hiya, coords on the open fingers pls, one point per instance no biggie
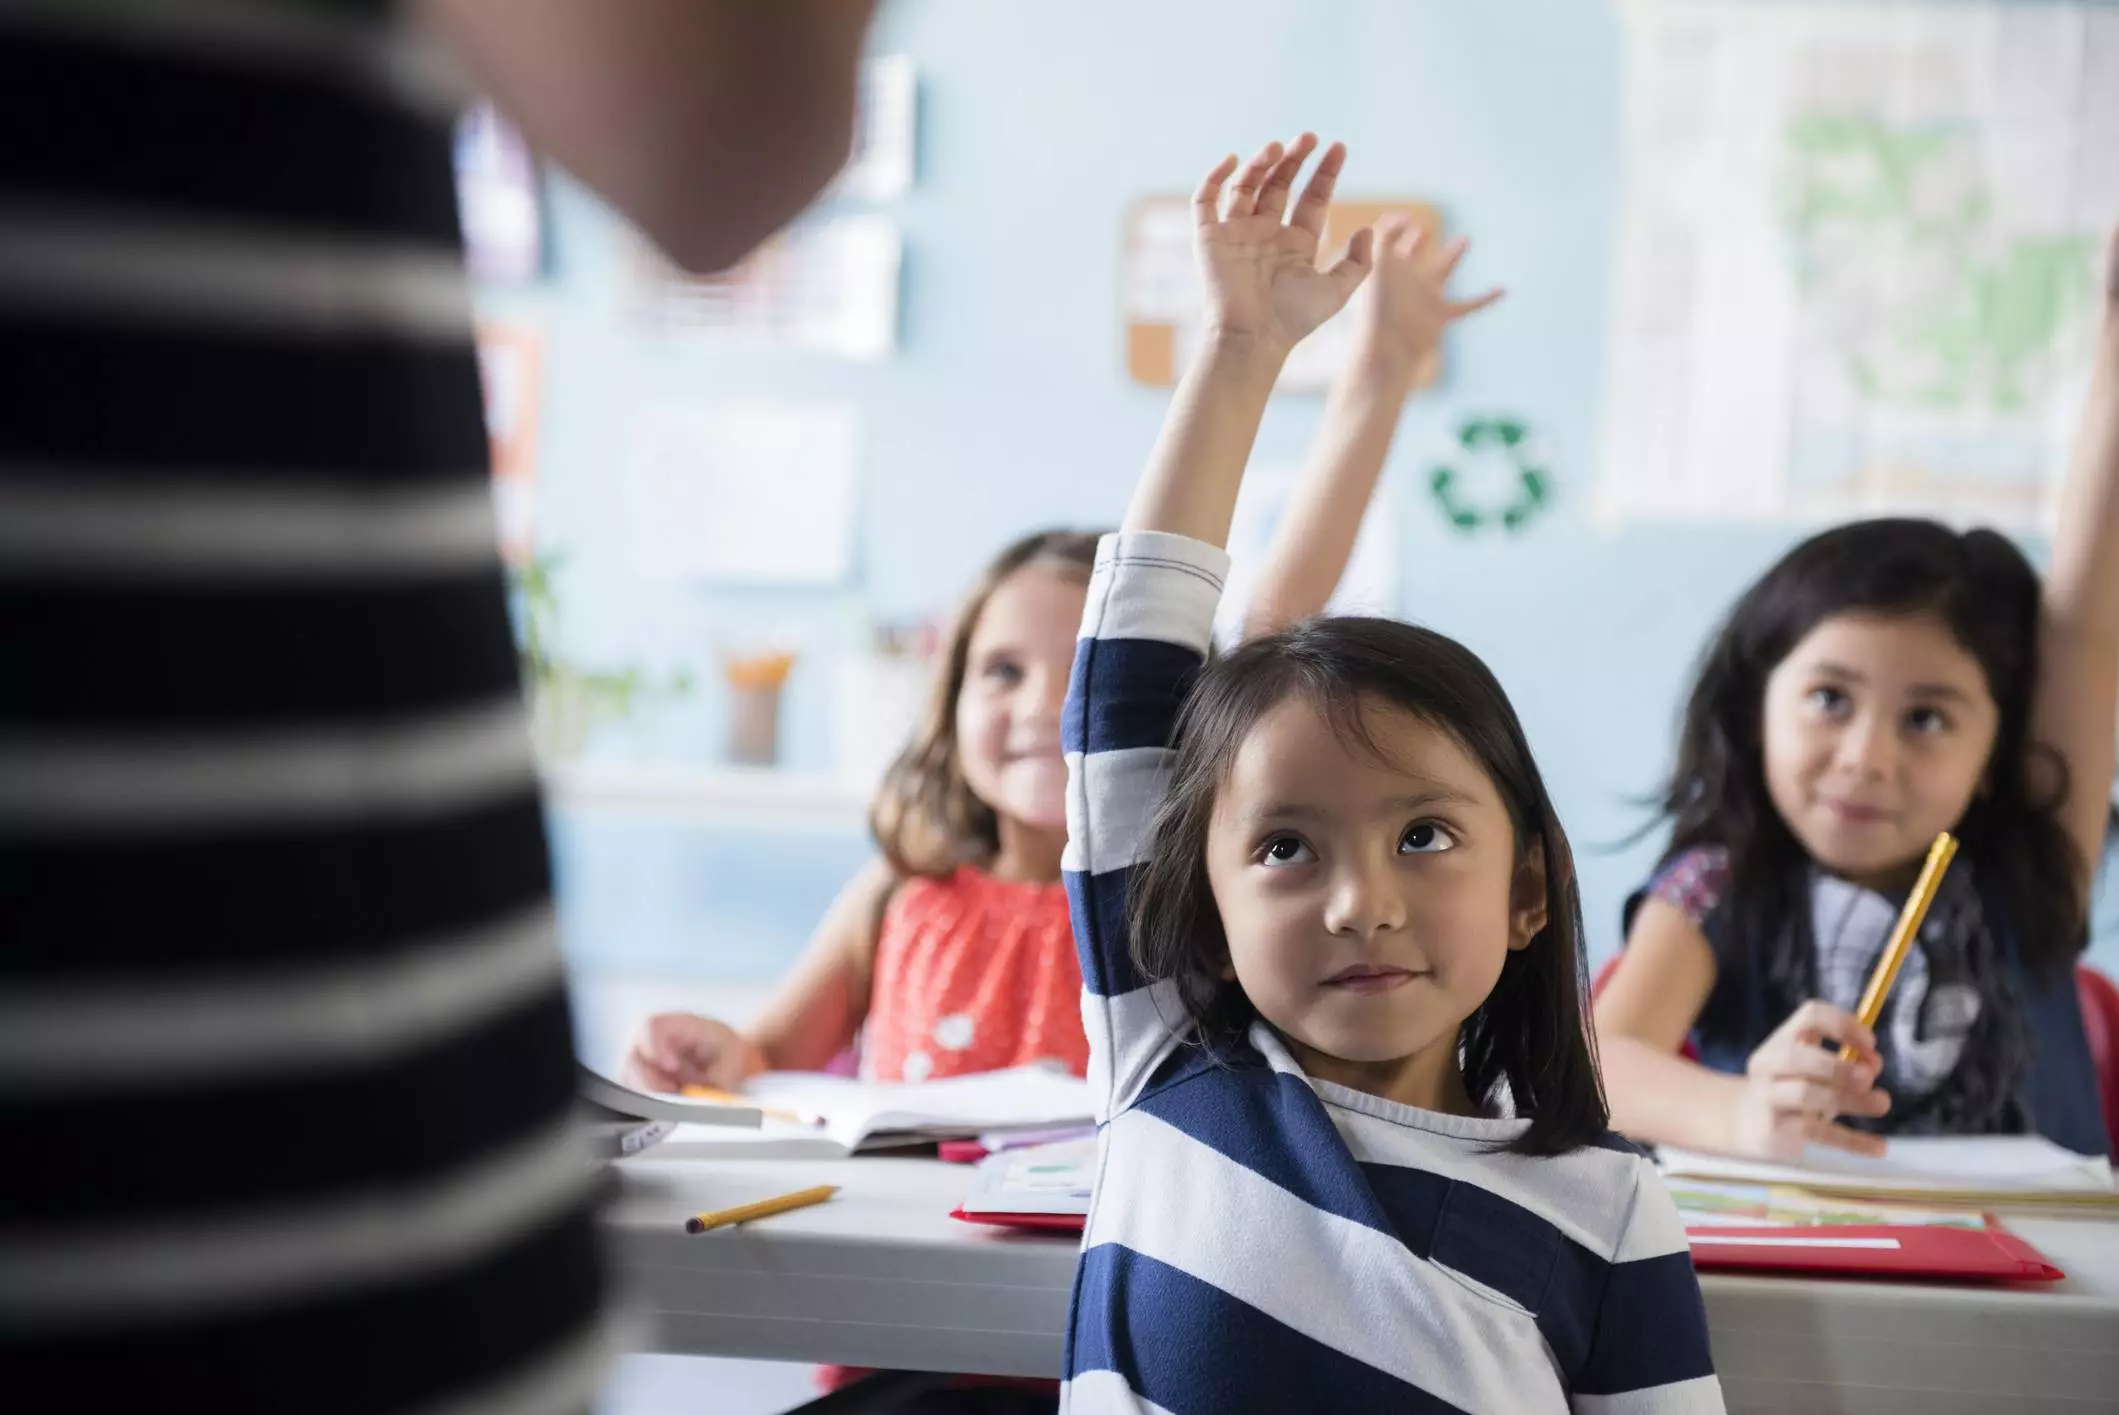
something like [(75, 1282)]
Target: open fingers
[(1206, 201), (1243, 193), (1317, 192), (1460, 308), (1352, 268), (1273, 195)]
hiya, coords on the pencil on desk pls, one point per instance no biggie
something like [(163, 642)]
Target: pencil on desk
[(1903, 933), (764, 1208)]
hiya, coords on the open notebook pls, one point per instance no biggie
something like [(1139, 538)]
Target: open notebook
[(1969, 1169), (849, 1116), (619, 1120)]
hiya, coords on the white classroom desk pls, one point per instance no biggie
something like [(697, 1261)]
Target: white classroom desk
[(882, 1276)]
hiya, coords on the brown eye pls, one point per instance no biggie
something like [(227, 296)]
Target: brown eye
[(1284, 850), (1425, 838)]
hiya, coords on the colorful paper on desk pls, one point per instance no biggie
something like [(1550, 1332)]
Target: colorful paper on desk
[(1711, 1203), (1043, 1187), (1983, 1168), (866, 1115)]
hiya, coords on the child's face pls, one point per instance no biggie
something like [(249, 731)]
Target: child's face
[(1015, 679), (1369, 904), (1877, 732)]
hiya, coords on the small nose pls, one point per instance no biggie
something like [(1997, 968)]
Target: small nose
[(1365, 899), (1866, 747)]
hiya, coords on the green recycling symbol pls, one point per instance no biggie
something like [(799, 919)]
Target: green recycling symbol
[(1528, 477)]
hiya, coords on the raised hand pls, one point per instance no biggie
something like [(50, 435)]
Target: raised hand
[(1409, 304), (1261, 271)]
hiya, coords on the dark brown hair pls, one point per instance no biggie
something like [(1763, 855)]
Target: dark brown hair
[(1979, 585), (1530, 1039), (924, 817)]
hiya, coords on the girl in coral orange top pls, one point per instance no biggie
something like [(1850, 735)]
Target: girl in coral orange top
[(951, 953)]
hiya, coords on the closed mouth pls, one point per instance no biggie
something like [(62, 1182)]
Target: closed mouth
[(1371, 977), (1856, 814)]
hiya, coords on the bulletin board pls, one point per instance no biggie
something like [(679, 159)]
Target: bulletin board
[(1161, 300), (510, 371)]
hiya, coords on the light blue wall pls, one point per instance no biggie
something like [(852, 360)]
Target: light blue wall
[(1007, 407)]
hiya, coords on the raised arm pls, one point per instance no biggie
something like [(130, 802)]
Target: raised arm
[(2077, 712), (1152, 597), (1400, 328), (1264, 293)]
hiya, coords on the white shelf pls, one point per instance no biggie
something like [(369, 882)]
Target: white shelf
[(752, 798)]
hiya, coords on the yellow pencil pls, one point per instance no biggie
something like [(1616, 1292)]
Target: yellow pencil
[(764, 1208), (1902, 935)]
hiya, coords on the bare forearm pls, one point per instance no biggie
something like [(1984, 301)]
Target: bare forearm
[(1664, 1099), (1192, 477), (1317, 534), (2082, 587)]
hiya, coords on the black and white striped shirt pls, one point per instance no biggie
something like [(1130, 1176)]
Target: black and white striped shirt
[(285, 1063)]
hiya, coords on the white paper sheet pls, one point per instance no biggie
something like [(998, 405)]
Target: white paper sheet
[(2026, 1163), (749, 492)]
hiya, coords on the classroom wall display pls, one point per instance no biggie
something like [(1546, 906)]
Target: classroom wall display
[(884, 137), (748, 491), (1370, 583), (1493, 474), (497, 201), (829, 286), (510, 376), (1161, 299), (1857, 257)]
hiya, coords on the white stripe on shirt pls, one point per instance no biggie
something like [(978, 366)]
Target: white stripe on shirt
[(83, 782), (1188, 587), (1122, 789), (1584, 1193), (54, 525), (1315, 1272), (212, 276), (1095, 1392), (152, 1034), (55, 1277), (1677, 1398)]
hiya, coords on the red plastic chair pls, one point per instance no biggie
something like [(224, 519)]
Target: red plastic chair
[(1596, 985), (2100, 1023)]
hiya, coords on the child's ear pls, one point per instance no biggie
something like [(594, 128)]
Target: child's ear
[(1528, 910)]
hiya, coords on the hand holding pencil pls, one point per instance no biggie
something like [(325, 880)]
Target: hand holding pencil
[(1794, 1089)]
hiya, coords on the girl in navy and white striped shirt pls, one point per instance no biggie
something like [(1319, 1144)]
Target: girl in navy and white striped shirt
[(1355, 1154)]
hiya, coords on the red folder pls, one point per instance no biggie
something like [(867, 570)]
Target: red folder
[(1053, 1223), (1991, 1254)]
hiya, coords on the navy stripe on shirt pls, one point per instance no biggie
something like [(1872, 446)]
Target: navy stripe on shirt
[(194, 905), (300, 150), (1282, 1370), (251, 654), (393, 1346), (127, 402), (286, 1135), (1151, 681), (1101, 900), (1630, 1353)]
